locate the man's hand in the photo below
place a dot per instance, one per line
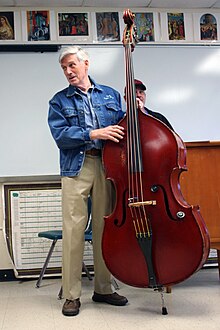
(114, 133)
(140, 104)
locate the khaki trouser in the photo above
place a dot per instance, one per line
(75, 190)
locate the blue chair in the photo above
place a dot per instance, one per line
(56, 235)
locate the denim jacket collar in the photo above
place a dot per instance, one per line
(72, 89)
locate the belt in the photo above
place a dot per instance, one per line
(94, 152)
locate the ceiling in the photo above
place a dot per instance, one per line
(182, 4)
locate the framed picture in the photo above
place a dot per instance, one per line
(206, 26)
(7, 26)
(147, 26)
(106, 27)
(73, 26)
(176, 27)
(36, 25)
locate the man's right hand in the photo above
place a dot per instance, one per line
(114, 133)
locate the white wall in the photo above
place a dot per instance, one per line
(183, 83)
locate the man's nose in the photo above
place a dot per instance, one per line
(68, 70)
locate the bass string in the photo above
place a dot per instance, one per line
(135, 167)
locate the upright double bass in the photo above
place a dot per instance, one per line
(153, 238)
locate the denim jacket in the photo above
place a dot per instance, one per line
(66, 120)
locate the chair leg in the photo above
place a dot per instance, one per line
(85, 269)
(45, 264)
(60, 294)
(115, 284)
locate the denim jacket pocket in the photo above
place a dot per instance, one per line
(71, 115)
(112, 106)
(112, 112)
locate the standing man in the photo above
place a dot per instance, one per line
(141, 97)
(81, 117)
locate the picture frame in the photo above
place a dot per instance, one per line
(35, 195)
(106, 27)
(38, 26)
(10, 26)
(176, 26)
(147, 25)
(152, 26)
(73, 26)
(206, 26)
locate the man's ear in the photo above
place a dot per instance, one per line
(86, 63)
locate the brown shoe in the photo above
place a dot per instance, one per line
(71, 307)
(112, 299)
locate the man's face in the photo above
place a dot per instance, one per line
(75, 71)
(140, 94)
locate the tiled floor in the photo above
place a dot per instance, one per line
(193, 304)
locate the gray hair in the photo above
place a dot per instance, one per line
(81, 54)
